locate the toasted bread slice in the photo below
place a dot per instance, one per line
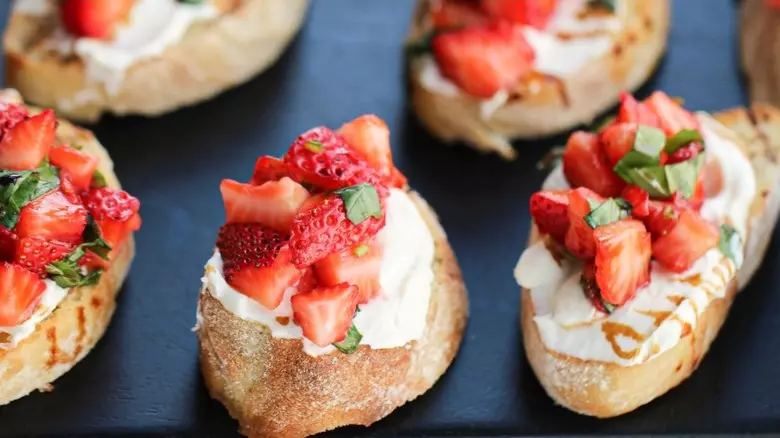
(759, 30)
(69, 333)
(275, 389)
(212, 56)
(604, 389)
(545, 107)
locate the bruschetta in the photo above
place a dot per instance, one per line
(88, 57)
(66, 245)
(759, 29)
(490, 71)
(640, 241)
(332, 296)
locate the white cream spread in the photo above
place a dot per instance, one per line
(392, 320)
(661, 313)
(51, 298)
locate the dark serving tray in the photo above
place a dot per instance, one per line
(143, 378)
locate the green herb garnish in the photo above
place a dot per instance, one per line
(360, 250)
(611, 210)
(651, 179)
(682, 138)
(314, 146)
(681, 177)
(19, 188)
(361, 202)
(351, 342)
(98, 180)
(730, 244)
(67, 272)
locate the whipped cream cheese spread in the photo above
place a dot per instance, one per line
(10, 337)
(661, 313)
(391, 320)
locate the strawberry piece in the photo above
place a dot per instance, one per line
(357, 266)
(591, 288)
(308, 280)
(550, 211)
(685, 153)
(20, 293)
(115, 233)
(256, 262)
(52, 217)
(484, 60)
(697, 200)
(273, 204)
(67, 189)
(268, 169)
(7, 244)
(369, 136)
(687, 241)
(632, 111)
(93, 18)
(618, 140)
(111, 203)
(11, 114)
(34, 253)
(623, 252)
(81, 166)
(661, 217)
(772, 4)
(27, 143)
(579, 236)
(639, 200)
(449, 14)
(536, 13)
(673, 117)
(321, 228)
(586, 165)
(325, 313)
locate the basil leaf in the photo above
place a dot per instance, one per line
(67, 273)
(651, 179)
(420, 46)
(18, 189)
(351, 342)
(648, 145)
(98, 180)
(361, 202)
(681, 177)
(611, 210)
(48, 180)
(730, 244)
(682, 138)
(608, 5)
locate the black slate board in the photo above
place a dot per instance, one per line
(142, 378)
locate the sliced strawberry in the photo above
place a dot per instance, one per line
(369, 136)
(34, 253)
(67, 189)
(11, 114)
(325, 313)
(7, 244)
(484, 60)
(268, 169)
(674, 118)
(550, 210)
(661, 217)
(579, 237)
(273, 204)
(20, 293)
(591, 288)
(27, 143)
(623, 252)
(93, 18)
(697, 200)
(52, 217)
(618, 140)
(321, 228)
(536, 13)
(115, 233)
(632, 111)
(687, 241)
(639, 200)
(308, 280)
(685, 153)
(111, 203)
(81, 166)
(358, 266)
(449, 14)
(586, 165)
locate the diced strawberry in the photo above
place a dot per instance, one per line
(7, 244)
(273, 204)
(26, 144)
(484, 60)
(325, 313)
(586, 165)
(358, 266)
(68, 190)
(550, 211)
(687, 241)
(697, 200)
(20, 293)
(11, 114)
(772, 4)
(268, 169)
(52, 217)
(685, 153)
(536, 13)
(256, 262)
(590, 288)
(115, 233)
(111, 203)
(34, 253)
(93, 18)
(369, 136)
(623, 252)
(639, 200)
(618, 140)
(308, 280)
(674, 118)
(321, 227)
(632, 111)
(579, 237)
(449, 14)
(81, 166)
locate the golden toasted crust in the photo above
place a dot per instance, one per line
(603, 389)
(275, 389)
(546, 107)
(75, 326)
(212, 56)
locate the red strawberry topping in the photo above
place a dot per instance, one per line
(268, 169)
(687, 241)
(639, 200)
(11, 114)
(674, 118)
(20, 293)
(325, 313)
(369, 136)
(586, 165)
(27, 143)
(52, 217)
(34, 253)
(79, 165)
(622, 260)
(632, 111)
(110, 203)
(273, 204)
(449, 14)
(93, 18)
(536, 13)
(617, 140)
(7, 244)
(579, 237)
(358, 266)
(550, 210)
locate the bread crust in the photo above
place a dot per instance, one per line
(212, 56)
(273, 388)
(602, 389)
(759, 29)
(79, 321)
(539, 108)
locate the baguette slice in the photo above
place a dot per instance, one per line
(541, 107)
(275, 389)
(212, 56)
(759, 31)
(605, 389)
(69, 333)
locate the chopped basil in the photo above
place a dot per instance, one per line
(361, 202)
(611, 210)
(730, 244)
(314, 146)
(360, 250)
(67, 272)
(351, 342)
(648, 145)
(681, 177)
(609, 5)
(651, 179)
(98, 180)
(682, 138)
(19, 188)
